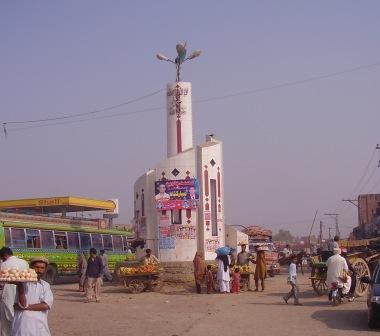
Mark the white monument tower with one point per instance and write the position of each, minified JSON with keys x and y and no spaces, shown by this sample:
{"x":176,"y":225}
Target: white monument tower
{"x":179,"y":205}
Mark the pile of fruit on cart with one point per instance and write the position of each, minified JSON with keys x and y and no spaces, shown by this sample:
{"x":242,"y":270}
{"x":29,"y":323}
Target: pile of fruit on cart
{"x":244,"y":269}
{"x":141,"y":269}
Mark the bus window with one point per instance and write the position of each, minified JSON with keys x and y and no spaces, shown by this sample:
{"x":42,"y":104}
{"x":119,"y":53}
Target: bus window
{"x":60,"y":240}
{"x":7,"y":235}
{"x":33,"y":238}
{"x":47,"y":239}
{"x":97,"y":241}
{"x":125,"y":243}
{"x":107,"y":242}
{"x":73,"y":240}
{"x":117,"y":243}
{"x":18,"y":238}
{"x":85,"y":241}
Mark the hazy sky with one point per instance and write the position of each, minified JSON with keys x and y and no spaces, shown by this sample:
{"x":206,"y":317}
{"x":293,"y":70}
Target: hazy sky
{"x":288,"y":151}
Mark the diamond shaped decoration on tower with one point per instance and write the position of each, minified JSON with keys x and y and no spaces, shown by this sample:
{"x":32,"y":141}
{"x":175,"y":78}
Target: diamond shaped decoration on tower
{"x":212,"y":162}
{"x":175,"y":172}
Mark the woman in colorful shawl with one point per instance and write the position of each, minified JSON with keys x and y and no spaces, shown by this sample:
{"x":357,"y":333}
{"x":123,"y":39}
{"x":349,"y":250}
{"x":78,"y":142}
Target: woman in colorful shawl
{"x":261,"y":270}
{"x":199,"y":270}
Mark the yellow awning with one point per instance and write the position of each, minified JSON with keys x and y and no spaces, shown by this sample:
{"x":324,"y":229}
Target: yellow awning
{"x":56,"y":205}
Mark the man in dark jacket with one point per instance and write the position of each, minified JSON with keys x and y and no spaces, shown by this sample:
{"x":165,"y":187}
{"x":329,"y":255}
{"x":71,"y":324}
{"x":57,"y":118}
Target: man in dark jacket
{"x":93,"y":273}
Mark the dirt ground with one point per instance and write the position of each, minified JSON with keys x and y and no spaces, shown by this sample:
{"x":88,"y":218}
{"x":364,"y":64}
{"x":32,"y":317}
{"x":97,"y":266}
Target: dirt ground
{"x":180,"y":312}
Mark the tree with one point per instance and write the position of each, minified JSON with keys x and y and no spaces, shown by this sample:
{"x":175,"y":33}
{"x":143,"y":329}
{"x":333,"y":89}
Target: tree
{"x":284,"y":235}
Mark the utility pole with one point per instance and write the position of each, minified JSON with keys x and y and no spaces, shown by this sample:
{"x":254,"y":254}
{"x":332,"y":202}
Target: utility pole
{"x":320,"y":233}
{"x":337,"y":232}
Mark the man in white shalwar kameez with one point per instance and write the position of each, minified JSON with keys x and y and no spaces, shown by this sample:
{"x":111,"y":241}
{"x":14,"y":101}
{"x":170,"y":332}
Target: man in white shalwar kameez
{"x":34,"y":302}
{"x":222,"y":275}
{"x":9,"y":291}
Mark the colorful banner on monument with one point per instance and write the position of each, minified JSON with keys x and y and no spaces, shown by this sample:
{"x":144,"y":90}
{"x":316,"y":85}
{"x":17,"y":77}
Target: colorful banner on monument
{"x":177,"y":194}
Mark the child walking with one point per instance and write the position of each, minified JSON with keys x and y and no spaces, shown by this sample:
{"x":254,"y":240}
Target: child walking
{"x":292,"y":280}
{"x":236,"y":281}
{"x":210,"y":280}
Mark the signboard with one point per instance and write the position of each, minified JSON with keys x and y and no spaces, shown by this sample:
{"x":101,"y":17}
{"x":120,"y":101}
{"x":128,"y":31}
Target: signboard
{"x":165,"y":232}
{"x":167,"y":243}
{"x":185,"y":232}
{"x":177,"y":194}
{"x":212,"y":244}
{"x":164,"y":221}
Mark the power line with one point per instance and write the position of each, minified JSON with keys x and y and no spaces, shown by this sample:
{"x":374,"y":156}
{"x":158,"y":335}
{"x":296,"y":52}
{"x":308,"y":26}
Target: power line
{"x":226,"y":96}
{"x":368,"y":180}
{"x":90,"y":119}
{"x":291,"y":83}
{"x":76,"y":115}
{"x":364,"y":174}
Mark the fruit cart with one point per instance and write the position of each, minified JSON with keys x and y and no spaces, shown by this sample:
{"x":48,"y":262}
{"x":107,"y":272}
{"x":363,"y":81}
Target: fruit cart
{"x":361,"y":262}
{"x":137,"y":277}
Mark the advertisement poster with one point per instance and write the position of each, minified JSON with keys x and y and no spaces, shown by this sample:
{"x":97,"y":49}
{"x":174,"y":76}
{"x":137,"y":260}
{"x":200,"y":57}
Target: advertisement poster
{"x":164,"y":221}
{"x":167,"y":243}
{"x":165,"y":231}
{"x":177,"y":194}
{"x":212,"y":244}
{"x":185,"y":232}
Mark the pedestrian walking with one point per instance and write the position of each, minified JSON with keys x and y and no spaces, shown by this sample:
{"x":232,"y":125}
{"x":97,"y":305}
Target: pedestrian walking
{"x":244,"y":258}
{"x":261,"y":269}
{"x":93,"y":273}
{"x":82,"y":267}
{"x":236,"y":281}
{"x":292,"y":281}
{"x":199,"y":270}
{"x":210,"y":280}
{"x":223,"y":274}
{"x":106,"y":271}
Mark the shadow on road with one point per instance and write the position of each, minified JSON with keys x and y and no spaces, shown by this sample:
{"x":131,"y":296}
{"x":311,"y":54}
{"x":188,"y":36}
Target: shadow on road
{"x":343,"y":319}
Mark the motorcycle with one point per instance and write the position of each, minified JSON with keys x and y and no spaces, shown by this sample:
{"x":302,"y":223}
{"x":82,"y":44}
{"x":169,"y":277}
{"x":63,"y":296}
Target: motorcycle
{"x":335,"y":294}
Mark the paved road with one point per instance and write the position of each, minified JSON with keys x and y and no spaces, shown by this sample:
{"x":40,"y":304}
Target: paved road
{"x":180,"y":312}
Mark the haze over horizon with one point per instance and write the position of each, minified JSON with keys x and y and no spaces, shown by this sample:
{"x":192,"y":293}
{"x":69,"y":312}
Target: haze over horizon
{"x":296,"y":88}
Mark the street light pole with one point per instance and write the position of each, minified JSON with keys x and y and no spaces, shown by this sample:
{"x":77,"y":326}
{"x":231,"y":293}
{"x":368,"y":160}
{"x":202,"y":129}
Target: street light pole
{"x":180,"y":59}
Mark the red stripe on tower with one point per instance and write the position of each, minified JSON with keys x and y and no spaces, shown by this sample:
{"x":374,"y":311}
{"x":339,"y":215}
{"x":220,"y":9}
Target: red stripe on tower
{"x":205,"y":174}
{"x":219,"y":192}
{"x":179,"y":137}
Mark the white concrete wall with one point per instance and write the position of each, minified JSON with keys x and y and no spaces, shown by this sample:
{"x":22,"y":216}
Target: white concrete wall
{"x":182,"y":92}
{"x":146,"y":226}
{"x":211,"y":150}
{"x":234,"y":237}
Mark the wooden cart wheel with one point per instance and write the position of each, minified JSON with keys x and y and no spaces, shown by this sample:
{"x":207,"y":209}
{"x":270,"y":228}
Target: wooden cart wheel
{"x":244,"y":285}
{"x":135,"y":286}
{"x":362,"y":270}
{"x":155,"y":285}
{"x":318,"y":281}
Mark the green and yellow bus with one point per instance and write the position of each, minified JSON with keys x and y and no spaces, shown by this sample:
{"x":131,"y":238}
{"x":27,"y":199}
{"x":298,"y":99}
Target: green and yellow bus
{"x":61,"y":242}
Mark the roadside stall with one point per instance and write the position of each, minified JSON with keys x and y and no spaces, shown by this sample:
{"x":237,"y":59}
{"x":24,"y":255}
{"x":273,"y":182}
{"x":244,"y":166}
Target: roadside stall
{"x":137,"y":277}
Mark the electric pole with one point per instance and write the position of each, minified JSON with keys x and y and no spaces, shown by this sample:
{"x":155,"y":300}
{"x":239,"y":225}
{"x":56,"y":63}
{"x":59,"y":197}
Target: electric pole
{"x":337,"y":232}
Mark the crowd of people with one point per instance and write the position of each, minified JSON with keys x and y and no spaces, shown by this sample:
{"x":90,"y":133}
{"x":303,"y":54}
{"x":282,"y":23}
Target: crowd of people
{"x":227,"y":276}
{"x":203,"y":273}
